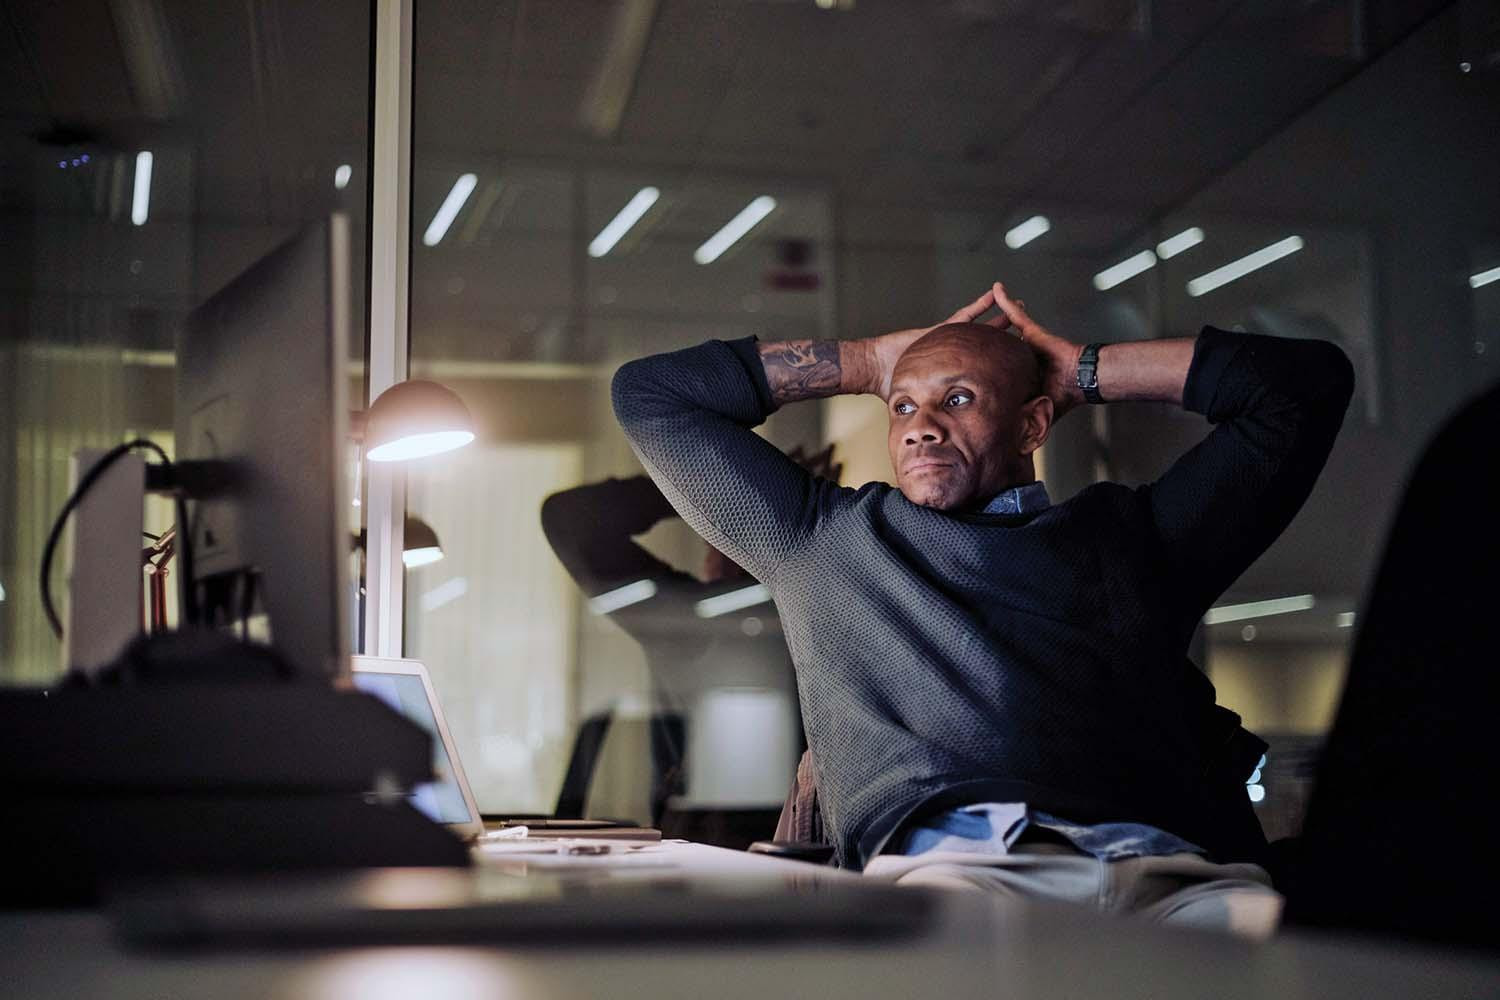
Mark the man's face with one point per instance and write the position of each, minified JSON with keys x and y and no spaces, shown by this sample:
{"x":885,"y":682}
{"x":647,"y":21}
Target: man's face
{"x":961,"y":425}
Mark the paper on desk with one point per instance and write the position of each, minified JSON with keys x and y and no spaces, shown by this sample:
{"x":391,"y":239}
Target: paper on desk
{"x":579,"y":846}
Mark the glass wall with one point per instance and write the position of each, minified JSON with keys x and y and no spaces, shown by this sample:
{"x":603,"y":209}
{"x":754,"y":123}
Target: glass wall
{"x":1131,"y":169}
{"x":913,"y":156}
{"x":150,"y":151}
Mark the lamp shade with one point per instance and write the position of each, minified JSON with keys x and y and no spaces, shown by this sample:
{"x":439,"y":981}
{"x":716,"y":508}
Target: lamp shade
{"x":415,"y":418}
{"x":420,"y":544}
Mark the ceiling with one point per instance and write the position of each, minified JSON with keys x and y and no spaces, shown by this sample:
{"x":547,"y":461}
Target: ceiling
{"x":1123,"y":105}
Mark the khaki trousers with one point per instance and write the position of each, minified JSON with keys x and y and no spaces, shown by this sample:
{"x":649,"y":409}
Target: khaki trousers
{"x":1183,"y":890}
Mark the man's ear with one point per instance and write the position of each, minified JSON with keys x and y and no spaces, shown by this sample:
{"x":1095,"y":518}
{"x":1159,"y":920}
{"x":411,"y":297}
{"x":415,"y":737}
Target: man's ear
{"x":1036,"y":423}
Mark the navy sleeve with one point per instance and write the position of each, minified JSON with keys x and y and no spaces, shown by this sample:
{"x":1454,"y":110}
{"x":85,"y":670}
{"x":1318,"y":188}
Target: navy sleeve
{"x":591,"y":529}
{"x":1277,"y":406}
{"x":689,"y":416}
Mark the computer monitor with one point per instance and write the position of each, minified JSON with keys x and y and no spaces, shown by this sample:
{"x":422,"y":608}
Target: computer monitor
{"x":261,"y":396}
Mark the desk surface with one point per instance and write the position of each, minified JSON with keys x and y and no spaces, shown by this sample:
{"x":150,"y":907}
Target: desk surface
{"x":973,"y":948}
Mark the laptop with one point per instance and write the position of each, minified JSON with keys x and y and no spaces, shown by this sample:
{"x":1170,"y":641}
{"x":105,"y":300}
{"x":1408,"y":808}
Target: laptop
{"x":405,"y":687}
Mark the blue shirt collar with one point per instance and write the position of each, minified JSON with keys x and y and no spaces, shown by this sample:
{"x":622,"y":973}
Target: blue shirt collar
{"x":1020,"y":500}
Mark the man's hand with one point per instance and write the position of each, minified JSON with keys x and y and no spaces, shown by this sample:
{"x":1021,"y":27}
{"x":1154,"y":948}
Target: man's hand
{"x":1058,"y":357}
{"x":886,"y":349}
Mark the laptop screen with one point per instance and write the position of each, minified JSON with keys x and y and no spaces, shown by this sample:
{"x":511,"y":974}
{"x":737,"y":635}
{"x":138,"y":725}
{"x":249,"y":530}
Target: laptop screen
{"x":441,"y":800}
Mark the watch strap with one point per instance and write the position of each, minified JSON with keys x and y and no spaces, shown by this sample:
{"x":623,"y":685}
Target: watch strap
{"x":1088,"y":373}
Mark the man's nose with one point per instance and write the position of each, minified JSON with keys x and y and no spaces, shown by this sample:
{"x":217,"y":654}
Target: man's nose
{"x":924,"y":430}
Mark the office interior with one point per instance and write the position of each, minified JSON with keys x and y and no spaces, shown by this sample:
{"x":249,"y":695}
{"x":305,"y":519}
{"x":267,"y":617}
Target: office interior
{"x":572,"y":173}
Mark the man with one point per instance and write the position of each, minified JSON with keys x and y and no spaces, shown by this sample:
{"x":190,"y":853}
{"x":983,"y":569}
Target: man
{"x":985,"y":676}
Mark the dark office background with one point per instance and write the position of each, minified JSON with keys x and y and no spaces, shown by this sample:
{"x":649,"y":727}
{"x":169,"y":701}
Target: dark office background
{"x":902,"y":142}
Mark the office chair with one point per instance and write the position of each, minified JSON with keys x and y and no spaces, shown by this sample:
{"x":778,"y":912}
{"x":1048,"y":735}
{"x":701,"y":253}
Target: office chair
{"x":1397,"y":840}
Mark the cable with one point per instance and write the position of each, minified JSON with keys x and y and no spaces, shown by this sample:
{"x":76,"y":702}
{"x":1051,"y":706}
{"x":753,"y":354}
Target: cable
{"x":84,"y":485}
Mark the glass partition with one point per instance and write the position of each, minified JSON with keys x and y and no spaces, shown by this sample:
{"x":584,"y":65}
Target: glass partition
{"x":148,"y":155}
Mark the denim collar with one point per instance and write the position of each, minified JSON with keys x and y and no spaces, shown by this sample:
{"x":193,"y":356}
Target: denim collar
{"x":1025,"y":499}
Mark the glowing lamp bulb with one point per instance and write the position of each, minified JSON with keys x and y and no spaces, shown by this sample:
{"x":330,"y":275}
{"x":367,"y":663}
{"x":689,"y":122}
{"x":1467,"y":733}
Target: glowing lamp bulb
{"x":415,"y":418}
{"x":422,"y":556}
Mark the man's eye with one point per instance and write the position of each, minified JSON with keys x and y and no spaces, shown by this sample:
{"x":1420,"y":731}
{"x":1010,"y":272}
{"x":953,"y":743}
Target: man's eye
{"x":904,"y":407}
{"x":958,"y":399}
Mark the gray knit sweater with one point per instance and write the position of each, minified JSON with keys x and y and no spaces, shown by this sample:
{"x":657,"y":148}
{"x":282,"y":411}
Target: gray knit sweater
{"x":945,"y":659}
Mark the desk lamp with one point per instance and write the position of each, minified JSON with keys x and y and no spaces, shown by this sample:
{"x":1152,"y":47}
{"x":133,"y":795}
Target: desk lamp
{"x":413,"y":419}
{"x":420,"y":545}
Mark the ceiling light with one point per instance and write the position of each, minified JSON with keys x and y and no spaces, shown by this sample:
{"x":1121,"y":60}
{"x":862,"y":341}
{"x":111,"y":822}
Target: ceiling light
{"x":1484,"y":277}
{"x":341,"y":176}
{"x":1027,"y":231}
{"x":1125,"y":270}
{"x":2,"y":592}
{"x":622,"y":597}
{"x":1203,"y":284}
{"x":1257,"y":609}
{"x":413,"y":419}
{"x":621,"y":223}
{"x":1174,"y":245}
{"x":735,"y":600}
{"x":140,"y":204}
{"x":734,"y":229}
{"x":1345,"y":619}
{"x":448,"y":210}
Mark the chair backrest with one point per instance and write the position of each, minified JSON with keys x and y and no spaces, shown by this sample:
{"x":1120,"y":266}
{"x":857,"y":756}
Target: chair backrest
{"x":581,"y":763}
{"x":1397,"y":838}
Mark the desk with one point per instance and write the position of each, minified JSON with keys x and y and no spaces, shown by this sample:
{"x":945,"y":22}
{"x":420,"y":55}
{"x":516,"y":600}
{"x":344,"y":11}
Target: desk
{"x":974,"y":948}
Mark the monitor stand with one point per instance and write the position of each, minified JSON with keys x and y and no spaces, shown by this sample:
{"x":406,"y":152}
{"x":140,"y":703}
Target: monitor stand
{"x":194,"y":756}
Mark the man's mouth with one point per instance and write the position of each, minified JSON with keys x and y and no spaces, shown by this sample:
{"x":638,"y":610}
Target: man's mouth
{"x":927,"y":465}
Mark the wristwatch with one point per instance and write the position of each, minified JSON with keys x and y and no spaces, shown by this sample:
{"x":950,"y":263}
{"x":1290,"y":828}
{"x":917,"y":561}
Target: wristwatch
{"x":1088,"y":373}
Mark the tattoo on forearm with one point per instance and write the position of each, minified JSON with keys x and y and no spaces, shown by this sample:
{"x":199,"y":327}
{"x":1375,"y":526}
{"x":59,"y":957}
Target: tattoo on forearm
{"x":802,"y":369}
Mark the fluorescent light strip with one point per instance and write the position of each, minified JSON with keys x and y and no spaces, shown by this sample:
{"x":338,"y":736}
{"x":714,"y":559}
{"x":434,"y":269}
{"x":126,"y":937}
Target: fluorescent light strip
{"x":445,"y":593}
{"x":735,"y":228}
{"x":623,"y":597}
{"x":140,"y":204}
{"x":1203,"y":284}
{"x":621,"y":223}
{"x":1257,"y":609}
{"x":1345,"y":619}
{"x":1484,"y":277}
{"x":1174,"y":245}
{"x":448,"y":210}
{"x":1125,"y":270}
{"x":1027,"y":231}
{"x":2,"y":592}
{"x":735,"y":600}
{"x":341,"y":176}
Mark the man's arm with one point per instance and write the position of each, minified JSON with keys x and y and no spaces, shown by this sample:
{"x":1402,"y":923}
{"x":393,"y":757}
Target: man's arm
{"x":592,"y":530}
{"x":688,"y":415}
{"x":813,"y":369}
{"x":1278,"y":405}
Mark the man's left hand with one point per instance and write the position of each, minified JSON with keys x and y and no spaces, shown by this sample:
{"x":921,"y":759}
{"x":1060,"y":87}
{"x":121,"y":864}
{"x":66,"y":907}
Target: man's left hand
{"x":1058,"y":357}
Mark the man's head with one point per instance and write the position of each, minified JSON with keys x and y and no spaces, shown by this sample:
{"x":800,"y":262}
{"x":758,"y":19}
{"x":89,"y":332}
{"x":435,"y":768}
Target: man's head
{"x":967,"y":412}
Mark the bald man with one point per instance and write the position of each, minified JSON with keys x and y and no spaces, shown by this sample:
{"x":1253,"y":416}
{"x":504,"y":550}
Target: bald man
{"x":995,"y":689}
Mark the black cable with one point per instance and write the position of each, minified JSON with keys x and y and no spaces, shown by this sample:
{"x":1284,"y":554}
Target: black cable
{"x":84,"y":485}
